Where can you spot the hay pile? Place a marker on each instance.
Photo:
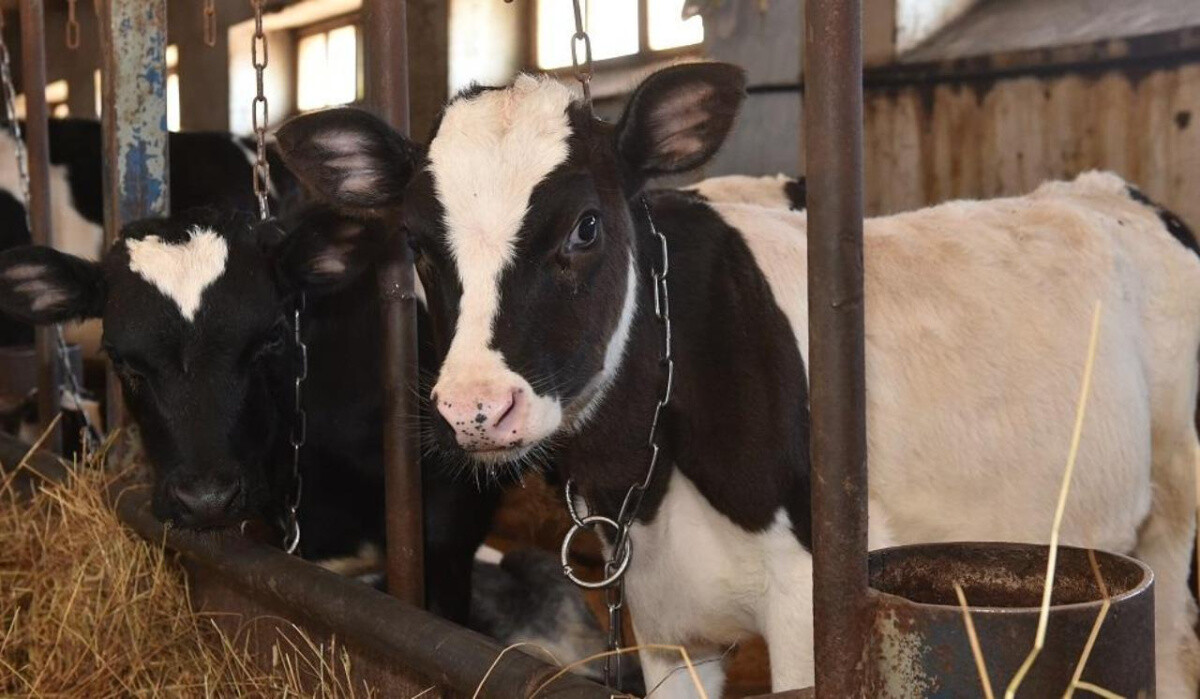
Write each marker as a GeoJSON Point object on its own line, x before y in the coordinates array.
{"type": "Point", "coordinates": [87, 609]}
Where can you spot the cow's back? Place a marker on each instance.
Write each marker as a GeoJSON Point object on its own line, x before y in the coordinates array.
{"type": "Point", "coordinates": [978, 322]}
{"type": "Point", "coordinates": [978, 315]}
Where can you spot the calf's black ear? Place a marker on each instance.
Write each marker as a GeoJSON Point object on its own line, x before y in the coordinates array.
{"type": "Point", "coordinates": [41, 285]}
{"type": "Point", "coordinates": [327, 250]}
{"type": "Point", "coordinates": [678, 117]}
{"type": "Point", "coordinates": [352, 159]}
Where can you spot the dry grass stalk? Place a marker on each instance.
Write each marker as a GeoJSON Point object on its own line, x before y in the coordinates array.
{"type": "Point", "coordinates": [1076, 683]}
{"type": "Point", "coordinates": [492, 667]}
{"type": "Point", "coordinates": [976, 651]}
{"type": "Point", "coordinates": [687, 661]}
{"type": "Point", "coordinates": [1052, 559]}
{"type": "Point", "coordinates": [87, 609]}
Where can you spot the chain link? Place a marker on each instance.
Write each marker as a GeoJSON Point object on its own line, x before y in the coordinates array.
{"type": "Point", "coordinates": [619, 554]}
{"type": "Point", "coordinates": [210, 23]}
{"type": "Point", "coordinates": [259, 109]}
{"type": "Point", "coordinates": [92, 434]}
{"type": "Point", "coordinates": [262, 186]}
{"type": "Point", "coordinates": [291, 522]}
{"type": "Point", "coordinates": [72, 26]}
{"type": "Point", "coordinates": [583, 69]}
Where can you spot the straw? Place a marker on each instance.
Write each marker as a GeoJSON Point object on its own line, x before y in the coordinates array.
{"type": "Point", "coordinates": [1052, 560]}
{"type": "Point", "coordinates": [976, 651]}
{"type": "Point", "coordinates": [1091, 641]}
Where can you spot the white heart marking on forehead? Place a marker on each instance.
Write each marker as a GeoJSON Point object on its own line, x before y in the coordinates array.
{"type": "Point", "coordinates": [181, 271]}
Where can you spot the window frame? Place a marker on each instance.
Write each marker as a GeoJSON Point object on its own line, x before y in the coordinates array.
{"type": "Point", "coordinates": [324, 26]}
{"type": "Point", "coordinates": [644, 57]}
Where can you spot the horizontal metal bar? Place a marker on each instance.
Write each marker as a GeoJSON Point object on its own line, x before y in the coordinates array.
{"type": "Point", "coordinates": [407, 637]}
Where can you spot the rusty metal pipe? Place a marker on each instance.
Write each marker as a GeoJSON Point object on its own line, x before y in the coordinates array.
{"type": "Point", "coordinates": [37, 142]}
{"type": "Point", "coordinates": [372, 624]}
{"type": "Point", "coordinates": [833, 117]}
{"type": "Point", "coordinates": [133, 44]}
{"type": "Point", "coordinates": [386, 42]}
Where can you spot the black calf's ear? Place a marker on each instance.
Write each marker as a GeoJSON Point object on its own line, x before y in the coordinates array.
{"type": "Point", "coordinates": [678, 117]}
{"type": "Point", "coordinates": [350, 158]}
{"type": "Point", "coordinates": [328, 250]}
{"type": "Point", "coordinates": [41, 285]}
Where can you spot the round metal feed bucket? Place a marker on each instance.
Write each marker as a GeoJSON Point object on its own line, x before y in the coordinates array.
{"type": "Point", "coordinates": [920, 646]}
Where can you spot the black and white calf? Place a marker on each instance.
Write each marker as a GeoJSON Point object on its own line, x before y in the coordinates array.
{"type": "Point", "coordinates": [536, 254]}
{"type": "Point", "coordinates": [195, 312]}
{"type": "Point", "coordinates": [208, 169]}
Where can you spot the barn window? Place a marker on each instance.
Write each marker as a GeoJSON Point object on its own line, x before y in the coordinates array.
{"type": "Point", "coordinates": [619, 29]}
{"type": "Point", "coordinates": [327, 65]}
{"type": "Point", "coordinates": [173, 87]}
{"type": "Point", "coordinates": [57, 93]}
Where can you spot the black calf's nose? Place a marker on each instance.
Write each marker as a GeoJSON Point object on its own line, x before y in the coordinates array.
{"type": "Point", "coordinates": [206, 503]}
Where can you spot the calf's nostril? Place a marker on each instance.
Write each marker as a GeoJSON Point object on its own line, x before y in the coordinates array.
{"type": "Point", "coordinates": [207, 500]}
{"type": "Point", "coordinates": [509, 409]}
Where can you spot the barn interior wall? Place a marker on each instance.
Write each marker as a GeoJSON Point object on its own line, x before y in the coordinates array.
{"type": "Point", "coordinates": [927, 144]}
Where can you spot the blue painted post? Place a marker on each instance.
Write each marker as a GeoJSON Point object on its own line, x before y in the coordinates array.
{"type": "Point", "coordinates": [133, 41]}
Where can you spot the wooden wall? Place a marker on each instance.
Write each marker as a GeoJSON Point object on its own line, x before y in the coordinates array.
{"type": "Point", "coordinates": [929, 143]}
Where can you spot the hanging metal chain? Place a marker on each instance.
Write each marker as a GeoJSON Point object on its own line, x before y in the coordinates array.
{"type": "Point", "coordinates": [92, 434]}
{"type": "Point", "coordinates": [210, 23]}
{"type": "Point", "coordinates": [72, 26]}
{"type": "Point", "coordinates": [583, 69]}
{"type": "Point", "coordinates": [620, 551]}
{"type": "Point", "coordinates": [259, 114]}
{"type": "Point", "coordinates": [291, 523]}
{"type": "Point", "coordinates": [262, 186]}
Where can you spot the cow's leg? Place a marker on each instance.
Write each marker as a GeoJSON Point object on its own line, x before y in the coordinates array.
{"type": "Point", "coordinates": [788, 623]}
{"type": "Point", "coordinates": [1165, 544]}
{"type": "Point", "coordinates": [667, 676]}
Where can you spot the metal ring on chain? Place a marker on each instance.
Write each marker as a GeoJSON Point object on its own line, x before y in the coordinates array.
{"type": "Point", "coordinates": [625, 554]}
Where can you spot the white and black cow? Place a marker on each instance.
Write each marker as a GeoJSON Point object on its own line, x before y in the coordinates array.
{"type": "Point", "coordinates": [208, 169]}
{"type": "Point", "coordinates": [536, 254]}
{"type": "Point", "coordinates": [195, 312]}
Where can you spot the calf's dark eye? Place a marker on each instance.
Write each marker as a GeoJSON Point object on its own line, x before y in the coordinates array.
{"type": "Point", "coordinates": [586, 232]}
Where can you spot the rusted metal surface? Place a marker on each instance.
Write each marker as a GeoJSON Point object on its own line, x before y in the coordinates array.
{"type": "Point", "coordinates": [833, 135]}
{"type": "Point", "coordinates": [403, 649]}
{"type": "Point", "coordinates": [386, 49]}
{"type": "Point", "coordinates": [133, 43]}
{"type": "Point", "coordinates": [37, 139]}
{"type": "Point", "coordinates": [920, 646]}
{"type": "Point", "coordinates": [930, 143]}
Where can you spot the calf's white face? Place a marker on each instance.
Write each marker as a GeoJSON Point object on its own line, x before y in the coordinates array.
{"type": "Point", "coordinates": [524, 213]}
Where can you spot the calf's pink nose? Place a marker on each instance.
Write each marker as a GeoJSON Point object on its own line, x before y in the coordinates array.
{"type": "Point", "coordinates": [485, 419]}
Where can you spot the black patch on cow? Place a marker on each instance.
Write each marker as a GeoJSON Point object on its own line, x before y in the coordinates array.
{"type": "Point", "coordinates": [1183, 119]}
{"type": "Point", "coordinates": [1174, 225]}
{"type": "Point", "coordinates": [737, 425]}
{"type": "Point", "coordinates": [796, 191]}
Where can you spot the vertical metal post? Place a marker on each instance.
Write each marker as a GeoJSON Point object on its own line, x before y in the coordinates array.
{"type": "Point", "coordinates": [37, 139]}
{"type": "Point", "coordinates": [385, 25]}
{"type": "Point", "coordinates": [133, 42]}
{"type": "Point", "coordinates": [833, 141]}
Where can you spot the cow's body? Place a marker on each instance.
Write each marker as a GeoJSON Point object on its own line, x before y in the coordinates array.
{"type": "Point", "coordinates": [534, 238]}
{"type": "Point", "coordinates": [977, 322]}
